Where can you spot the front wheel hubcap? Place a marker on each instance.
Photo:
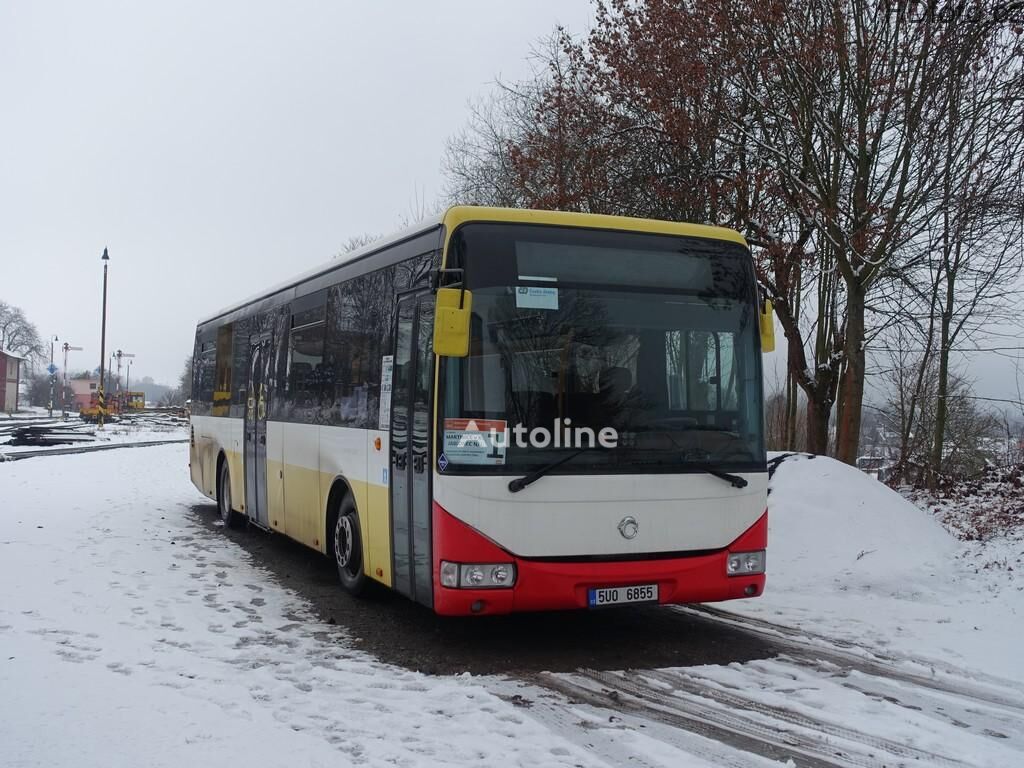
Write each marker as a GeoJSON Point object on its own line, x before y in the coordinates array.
{"type": "Point", "coordinates": [343, 542]}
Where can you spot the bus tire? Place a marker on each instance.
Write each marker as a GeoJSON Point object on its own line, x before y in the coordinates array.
{"type": "Point", "coordinates": [347, 547]}
{"type": "Point", "coordinates": [230, 517]}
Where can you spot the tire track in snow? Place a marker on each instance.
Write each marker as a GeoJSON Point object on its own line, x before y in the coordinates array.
{"type": "Point", "coordinates": [744, 723]}
{"type": "Point", "coordinates": [847, 657]}
{"type": "Point", "coordinates": [756, 718]}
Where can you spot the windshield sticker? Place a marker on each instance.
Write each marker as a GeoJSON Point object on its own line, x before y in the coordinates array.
{"type": "Point", "coordinates": [475, 441]}
{"type": "Point", "coordinates": [387, 366]}
{"type": "Point", "coordinates": [536, 298]}
{"type": "Point", "coordinates": [539, 278]}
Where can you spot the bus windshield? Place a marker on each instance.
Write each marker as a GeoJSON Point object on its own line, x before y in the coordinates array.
{"type": "Point", "coordinates": [648, 340]}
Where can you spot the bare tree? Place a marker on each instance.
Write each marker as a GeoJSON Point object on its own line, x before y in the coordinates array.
{"type": "Point", "coordinates": [185, 381]}
{"type": "Point", "coordinates": [817, 128]}
{"type": "Point", "coordinates": [18, 334]}
{"type": "Point", "coordinates": [356, 242]}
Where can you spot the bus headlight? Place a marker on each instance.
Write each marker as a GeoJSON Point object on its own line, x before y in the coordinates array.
{"type": "Point", "coordinates": [477, 575]}
{"type": "Point", "coordinates": [745, 563]}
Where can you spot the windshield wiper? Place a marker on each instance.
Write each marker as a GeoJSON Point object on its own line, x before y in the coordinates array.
{"type": "Point", "coordinates": [735, 480]}
{"type": "Point", "coordinates": [519, 483]}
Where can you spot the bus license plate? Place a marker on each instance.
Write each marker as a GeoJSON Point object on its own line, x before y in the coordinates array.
{"type": "Point", "coordinates": [638, 593]}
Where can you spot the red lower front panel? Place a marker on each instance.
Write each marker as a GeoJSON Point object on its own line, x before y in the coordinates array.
{"type": "Point", "coordinates": [546, 585]}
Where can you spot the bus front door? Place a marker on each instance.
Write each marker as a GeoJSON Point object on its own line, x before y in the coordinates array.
{"type": "Point", "coordinates": [256, 405]}
{"type": "Point", "coordinates": [411, 416]}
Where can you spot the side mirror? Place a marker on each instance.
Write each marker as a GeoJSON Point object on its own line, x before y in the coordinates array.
{"type": "Point", "coordinates": [451, 322]}
{"type": "Point", "coordinates": [767, 326]}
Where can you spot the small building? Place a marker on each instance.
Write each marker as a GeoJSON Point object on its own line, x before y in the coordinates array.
{"type": "Point", "coordinates": [10, 378]}
{"type": "Point", "coordinates": [83, 390]}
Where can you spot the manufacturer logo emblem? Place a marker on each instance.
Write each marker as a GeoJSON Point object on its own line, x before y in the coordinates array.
{"type": "Point", "coordinates": [628, 527]}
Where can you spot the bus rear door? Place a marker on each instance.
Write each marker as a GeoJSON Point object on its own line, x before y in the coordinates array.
{"type": "Point", "coordinates": [257, 403]}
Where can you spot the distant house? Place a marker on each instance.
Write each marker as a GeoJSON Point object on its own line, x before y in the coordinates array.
{"type": "Point", "coordinates": [83, 390]}
{"type": "Point", "coordinates": [10, 375]}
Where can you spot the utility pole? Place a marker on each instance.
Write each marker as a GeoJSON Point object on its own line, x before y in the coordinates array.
{"type": "Point", "coordinates": [103, 338]}
{"type": "Point", "coordinates": [64, 392]}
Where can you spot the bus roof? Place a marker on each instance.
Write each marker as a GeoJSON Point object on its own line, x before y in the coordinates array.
{"type": "Point", "coordinates": [465, 213]}
{"type": "Point", "coordinates": [462, 214]}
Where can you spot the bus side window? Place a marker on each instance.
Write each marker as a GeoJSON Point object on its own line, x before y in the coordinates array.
{"type": "Point", "coordinates": [222, 376]}
{"type": "Point", "coordinates": [304, 384]}
{"type": "Point", "coordinates": [206, 369]}
{"type": "Point", "coordinates": [305, 367]}
{"type": "Point", "coordinates": [358, 311]}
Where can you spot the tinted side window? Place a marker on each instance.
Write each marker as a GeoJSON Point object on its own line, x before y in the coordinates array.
{"type": "Point", "coordinates": [222, 372]}
{"type": "Point", "coordinates": [277, 323]}
{"type": "Point", "coordinates": [243, 330]}
{"type": "Point", "coordinates": [347, 354]}
{"type": "Point", "coordinates": [306, 374]}
{"type": "Point", "coordinates": [205, 366]}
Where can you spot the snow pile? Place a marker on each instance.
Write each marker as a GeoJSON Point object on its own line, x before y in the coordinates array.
{"type": "Point", "coordinates": [850, 559]}
{"type": "Point", "coordinates": [831, 522]}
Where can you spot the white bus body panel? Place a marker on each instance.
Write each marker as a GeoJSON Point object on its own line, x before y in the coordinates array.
{"type": "Point", "coordinates": [573, 515]}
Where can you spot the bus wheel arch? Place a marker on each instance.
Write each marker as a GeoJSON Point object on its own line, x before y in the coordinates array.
{"type": "Point", "coordinates": [344, 538]}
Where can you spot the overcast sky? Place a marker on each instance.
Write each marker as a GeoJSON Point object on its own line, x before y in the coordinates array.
{"type": "Point", "coordinates": [218, 148]}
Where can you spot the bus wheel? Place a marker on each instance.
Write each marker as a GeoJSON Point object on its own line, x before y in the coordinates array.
{"type": "Point", "coordinates": [347, 546]}
{"type": "Point", "coordinates": [231, 518]}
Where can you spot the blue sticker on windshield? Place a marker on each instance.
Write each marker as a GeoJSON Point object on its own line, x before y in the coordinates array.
{"type": "Point", "coordinates": [442, 462]}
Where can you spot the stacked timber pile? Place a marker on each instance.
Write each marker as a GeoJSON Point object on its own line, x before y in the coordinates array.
{"type": "Point", "coordinates": [48, 433]}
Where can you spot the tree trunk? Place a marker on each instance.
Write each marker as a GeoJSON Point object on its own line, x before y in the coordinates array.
{"type": "Point", "coordinates": [941, 406]}
{"type": "Point", "coordinates": [792, 397]}
{"type": "Point", "coordinates": [852, 389]}
{"type": "Point", "coordinates": [817, 425]}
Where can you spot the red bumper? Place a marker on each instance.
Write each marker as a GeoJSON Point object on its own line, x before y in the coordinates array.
{"type": "Point", "coordinates": [559, 585]}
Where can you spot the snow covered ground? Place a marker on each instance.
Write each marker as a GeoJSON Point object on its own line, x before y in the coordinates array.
{"type": "Point", "coordinates": [130, 634]}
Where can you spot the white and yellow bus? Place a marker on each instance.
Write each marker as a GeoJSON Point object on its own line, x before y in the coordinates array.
{"type": "Point", "coordinates": [502, 410]}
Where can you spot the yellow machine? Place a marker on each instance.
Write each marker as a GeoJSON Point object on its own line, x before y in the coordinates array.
{"type": "Point", "coordinates": [117, 403]}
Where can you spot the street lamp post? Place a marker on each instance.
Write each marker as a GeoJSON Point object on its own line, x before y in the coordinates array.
{"type": "Point", "coordinates": [103, 337]}
{"type": "Point", "coordinates": [64, 391]}
{"type": "Point", "coordinates": [53, 375]}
